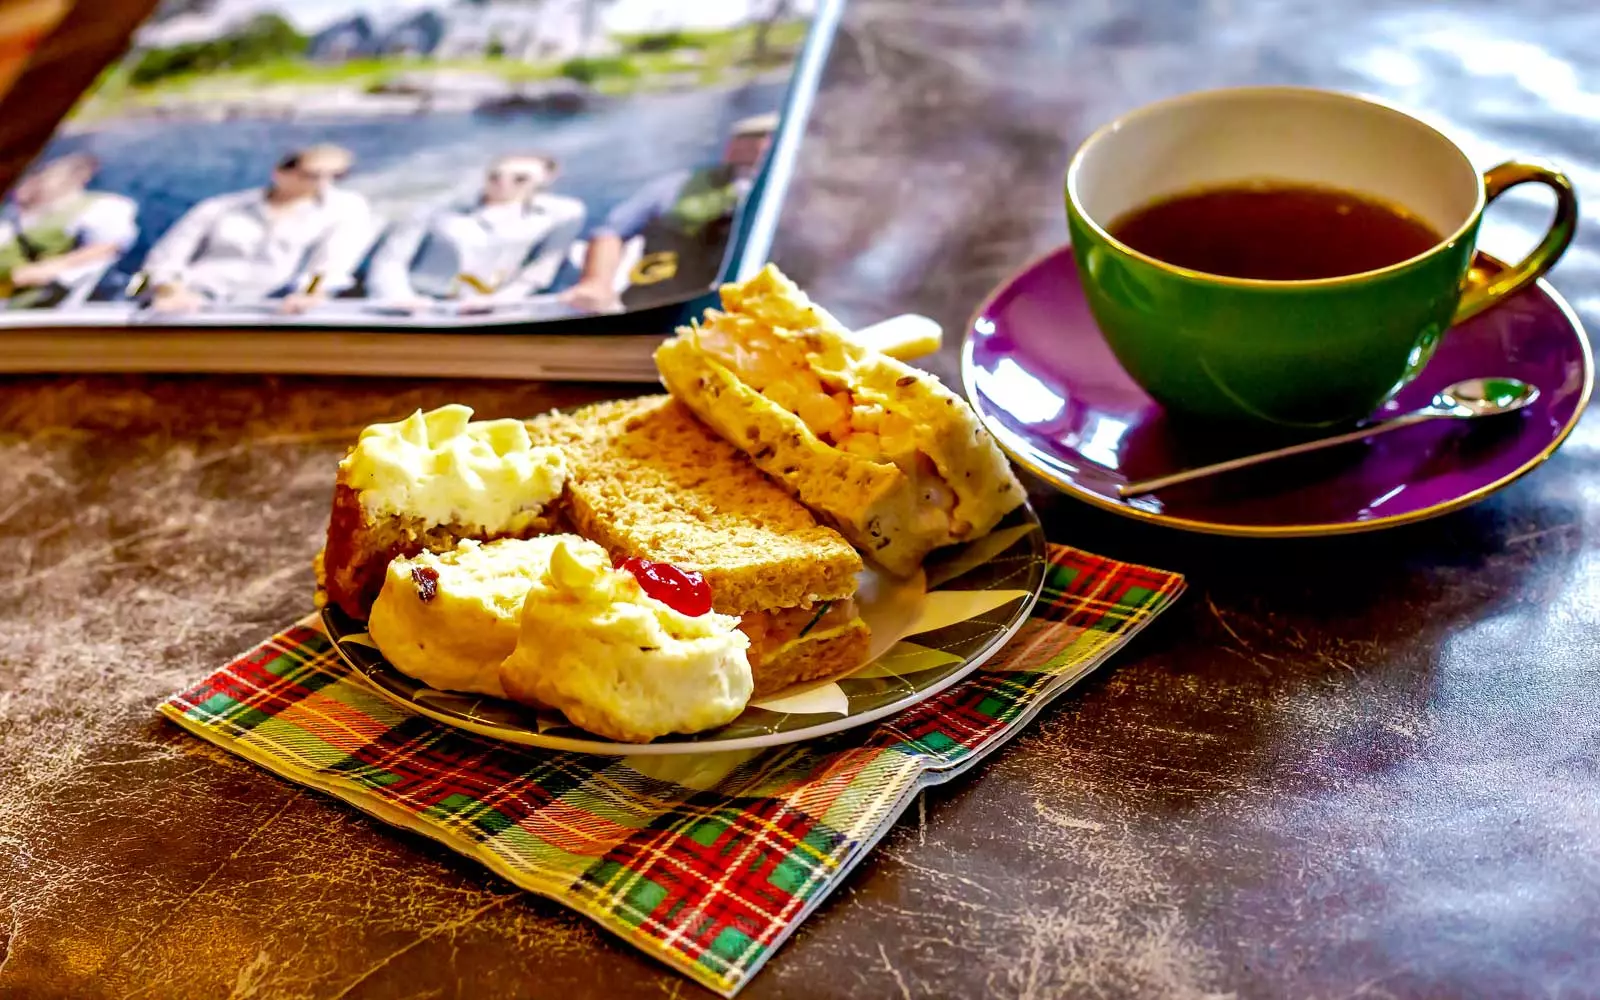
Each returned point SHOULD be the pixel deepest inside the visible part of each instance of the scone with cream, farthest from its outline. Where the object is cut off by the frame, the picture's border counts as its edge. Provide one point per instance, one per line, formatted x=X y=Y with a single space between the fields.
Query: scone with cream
x=885 y=452
x=425 y=483
x=449 y=618
x=617 y=661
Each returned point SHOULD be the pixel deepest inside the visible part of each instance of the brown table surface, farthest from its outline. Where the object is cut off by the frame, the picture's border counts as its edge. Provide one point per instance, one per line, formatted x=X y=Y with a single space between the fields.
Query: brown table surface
x=1348 y=768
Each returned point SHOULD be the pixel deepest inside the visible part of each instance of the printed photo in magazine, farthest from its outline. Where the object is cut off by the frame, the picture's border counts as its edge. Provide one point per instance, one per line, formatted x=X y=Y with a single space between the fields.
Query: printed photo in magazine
x=376 y=163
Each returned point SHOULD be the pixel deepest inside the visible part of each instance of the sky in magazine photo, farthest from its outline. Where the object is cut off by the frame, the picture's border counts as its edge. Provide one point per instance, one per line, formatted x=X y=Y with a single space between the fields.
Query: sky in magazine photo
x=334 y=162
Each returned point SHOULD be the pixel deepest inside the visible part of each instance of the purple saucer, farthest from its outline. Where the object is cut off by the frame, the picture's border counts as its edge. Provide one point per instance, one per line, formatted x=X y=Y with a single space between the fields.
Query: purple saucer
x=1046 y=385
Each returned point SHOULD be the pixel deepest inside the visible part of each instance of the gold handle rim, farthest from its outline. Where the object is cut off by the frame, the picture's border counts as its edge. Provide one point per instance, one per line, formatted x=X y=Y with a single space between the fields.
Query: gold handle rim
x=1497 y=181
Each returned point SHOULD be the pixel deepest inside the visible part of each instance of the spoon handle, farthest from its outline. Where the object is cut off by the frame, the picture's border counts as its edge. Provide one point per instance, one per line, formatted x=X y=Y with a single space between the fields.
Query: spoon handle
x=1361 y=434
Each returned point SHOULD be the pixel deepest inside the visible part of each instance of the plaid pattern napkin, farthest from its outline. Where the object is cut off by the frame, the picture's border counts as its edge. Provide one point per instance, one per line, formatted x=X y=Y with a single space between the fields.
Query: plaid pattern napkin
x=708 y=862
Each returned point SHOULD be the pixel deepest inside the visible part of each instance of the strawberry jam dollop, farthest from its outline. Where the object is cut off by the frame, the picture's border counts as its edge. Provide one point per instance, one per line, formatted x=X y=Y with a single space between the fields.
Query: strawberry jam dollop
x=683 y=590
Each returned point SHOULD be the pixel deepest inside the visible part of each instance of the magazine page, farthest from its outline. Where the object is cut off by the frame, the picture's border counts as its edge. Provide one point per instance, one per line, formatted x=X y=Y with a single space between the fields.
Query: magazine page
x=406 y=163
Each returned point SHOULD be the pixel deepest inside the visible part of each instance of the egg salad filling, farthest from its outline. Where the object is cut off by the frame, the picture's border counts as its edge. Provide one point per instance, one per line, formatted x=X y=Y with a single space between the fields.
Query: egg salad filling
x=446 y=468
x=783 y=370
x=618 y=662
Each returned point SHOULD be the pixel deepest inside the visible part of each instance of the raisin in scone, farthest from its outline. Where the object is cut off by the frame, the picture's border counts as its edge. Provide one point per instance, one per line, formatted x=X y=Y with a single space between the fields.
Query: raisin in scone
x=449 y=618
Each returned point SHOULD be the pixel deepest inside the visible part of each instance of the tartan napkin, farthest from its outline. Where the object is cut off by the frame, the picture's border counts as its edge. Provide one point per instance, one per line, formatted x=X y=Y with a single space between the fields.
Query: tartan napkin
x=708 y=862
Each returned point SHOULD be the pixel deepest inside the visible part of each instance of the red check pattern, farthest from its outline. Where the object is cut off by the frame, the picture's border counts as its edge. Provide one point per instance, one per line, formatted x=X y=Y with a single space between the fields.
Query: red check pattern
x=707 y=863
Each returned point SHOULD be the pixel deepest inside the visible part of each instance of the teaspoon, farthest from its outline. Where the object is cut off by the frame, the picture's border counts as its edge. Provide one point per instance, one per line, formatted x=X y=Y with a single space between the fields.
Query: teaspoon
x=1466 y=400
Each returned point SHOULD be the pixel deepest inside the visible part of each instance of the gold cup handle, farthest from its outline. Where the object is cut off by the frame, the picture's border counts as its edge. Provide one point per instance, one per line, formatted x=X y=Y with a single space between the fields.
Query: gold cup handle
x=1483 y=291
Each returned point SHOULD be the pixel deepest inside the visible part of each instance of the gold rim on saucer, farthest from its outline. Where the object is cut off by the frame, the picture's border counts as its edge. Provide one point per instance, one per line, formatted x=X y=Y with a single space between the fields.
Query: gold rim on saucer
x=1067 y=486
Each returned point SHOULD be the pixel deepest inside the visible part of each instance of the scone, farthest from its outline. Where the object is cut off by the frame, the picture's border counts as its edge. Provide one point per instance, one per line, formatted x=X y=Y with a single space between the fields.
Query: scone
x=424 y=484
x=885 y=452
x=449 y=618
x=648 y=481
x=619 y=662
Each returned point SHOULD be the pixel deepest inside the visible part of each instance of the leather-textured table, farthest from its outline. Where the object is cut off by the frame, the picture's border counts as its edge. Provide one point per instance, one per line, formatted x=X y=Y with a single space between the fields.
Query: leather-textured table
x=1352 y=768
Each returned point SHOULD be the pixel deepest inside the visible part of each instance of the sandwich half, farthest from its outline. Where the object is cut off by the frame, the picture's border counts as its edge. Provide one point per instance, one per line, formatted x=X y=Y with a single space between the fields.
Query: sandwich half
x=883 y=451
x=648 y=481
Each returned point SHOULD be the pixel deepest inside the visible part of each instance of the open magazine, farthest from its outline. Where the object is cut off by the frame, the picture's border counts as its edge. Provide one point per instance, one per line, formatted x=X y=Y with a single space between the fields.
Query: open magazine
x=530 y=167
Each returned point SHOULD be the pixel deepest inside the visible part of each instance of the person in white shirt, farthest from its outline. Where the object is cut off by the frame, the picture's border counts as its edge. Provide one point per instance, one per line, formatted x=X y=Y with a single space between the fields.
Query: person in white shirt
x=55 y=234
x=503 y=244
x=300 y=238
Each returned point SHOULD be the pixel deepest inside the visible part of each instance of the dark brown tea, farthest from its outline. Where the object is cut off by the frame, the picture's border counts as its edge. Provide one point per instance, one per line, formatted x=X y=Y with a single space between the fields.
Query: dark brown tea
x=1275 y=231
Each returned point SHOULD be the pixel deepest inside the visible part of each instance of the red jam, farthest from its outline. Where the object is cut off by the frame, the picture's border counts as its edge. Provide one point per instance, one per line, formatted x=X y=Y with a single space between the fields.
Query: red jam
x=682 y=590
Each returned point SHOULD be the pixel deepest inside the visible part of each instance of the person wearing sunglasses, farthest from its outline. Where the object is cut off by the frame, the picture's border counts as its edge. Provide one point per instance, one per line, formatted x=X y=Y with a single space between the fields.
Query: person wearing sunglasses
x=685 y=219
x=296 y=241
x=499 y=244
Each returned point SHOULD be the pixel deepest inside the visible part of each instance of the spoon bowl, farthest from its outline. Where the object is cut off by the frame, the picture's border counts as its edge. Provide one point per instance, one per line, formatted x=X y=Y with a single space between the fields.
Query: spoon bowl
x=1485 y=397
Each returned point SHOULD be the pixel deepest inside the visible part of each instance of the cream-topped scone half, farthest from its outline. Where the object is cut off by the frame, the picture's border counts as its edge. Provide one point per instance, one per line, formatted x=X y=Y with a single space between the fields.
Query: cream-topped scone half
x=616 y=661
x=427 y=482
x=449 y=618
x=885 y=452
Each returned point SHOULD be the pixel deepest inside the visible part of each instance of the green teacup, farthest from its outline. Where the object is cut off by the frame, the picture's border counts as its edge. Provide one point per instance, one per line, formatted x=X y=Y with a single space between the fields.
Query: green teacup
x=1298 y=353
